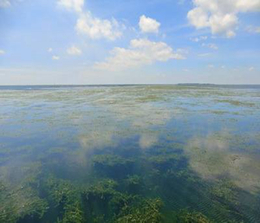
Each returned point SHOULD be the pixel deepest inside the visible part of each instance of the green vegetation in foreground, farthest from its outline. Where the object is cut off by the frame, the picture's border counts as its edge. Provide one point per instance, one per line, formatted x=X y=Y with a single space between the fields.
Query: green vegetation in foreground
x=184 y=216
x=72 y=169
x=122 y=190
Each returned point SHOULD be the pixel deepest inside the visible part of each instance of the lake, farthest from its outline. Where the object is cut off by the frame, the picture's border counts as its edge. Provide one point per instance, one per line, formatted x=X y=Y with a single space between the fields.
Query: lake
x=145 y=153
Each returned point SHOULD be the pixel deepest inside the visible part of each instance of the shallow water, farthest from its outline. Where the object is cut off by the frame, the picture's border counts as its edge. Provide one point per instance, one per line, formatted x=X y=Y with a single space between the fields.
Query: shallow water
x=130 y=154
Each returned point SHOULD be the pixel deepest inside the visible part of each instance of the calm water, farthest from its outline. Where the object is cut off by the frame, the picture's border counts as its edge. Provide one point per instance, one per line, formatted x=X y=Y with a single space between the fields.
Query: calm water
x=130 y=154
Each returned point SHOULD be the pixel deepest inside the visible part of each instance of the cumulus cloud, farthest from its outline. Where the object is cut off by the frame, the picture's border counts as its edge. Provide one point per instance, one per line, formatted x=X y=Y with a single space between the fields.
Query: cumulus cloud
x=74 y=51
x=140 y=52
x=210 y=45
x=5 y=3
x=50 y=50
x=2 y=52
x=221 y=16
x=204 y=54
x=91 y=26
x=97 y=28
x=76 y=5
x=55 y=57
x=198 y=39
x=253 y=29
x=148 y=25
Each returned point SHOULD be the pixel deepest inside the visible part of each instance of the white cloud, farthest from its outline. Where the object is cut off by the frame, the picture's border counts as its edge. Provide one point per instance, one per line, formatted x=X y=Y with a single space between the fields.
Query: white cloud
x=253 y=29
x=76 y=5
x=182 y=51
x=2 y=52
x=96 y=28
x=198 y=39
x=221 y=16
x=140 y=52
x=251 y=69
x=91 y=26
x=210 y=45
x=204 y=54
x=74 y=51
x=55 y=57
x=50 y=50
x=148 y=25
x=5 y=3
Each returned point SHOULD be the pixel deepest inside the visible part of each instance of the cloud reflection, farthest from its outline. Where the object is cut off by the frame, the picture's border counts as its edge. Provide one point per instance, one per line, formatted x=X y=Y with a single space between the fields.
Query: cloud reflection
x=214 y=157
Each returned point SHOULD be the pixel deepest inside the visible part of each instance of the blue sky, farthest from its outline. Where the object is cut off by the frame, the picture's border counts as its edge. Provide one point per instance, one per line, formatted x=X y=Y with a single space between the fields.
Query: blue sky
x=129 y=42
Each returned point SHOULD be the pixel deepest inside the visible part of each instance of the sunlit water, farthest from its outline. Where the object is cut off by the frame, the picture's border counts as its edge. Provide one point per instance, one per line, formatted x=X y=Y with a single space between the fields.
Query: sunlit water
x=130 y=154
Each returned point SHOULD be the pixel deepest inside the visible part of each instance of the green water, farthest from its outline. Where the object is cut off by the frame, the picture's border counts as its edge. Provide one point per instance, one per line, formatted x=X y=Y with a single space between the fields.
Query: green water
x=124 y=154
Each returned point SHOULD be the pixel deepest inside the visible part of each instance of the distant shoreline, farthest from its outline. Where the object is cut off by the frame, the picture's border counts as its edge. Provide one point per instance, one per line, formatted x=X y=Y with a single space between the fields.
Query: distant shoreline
x=184 y=86
x=115 y=85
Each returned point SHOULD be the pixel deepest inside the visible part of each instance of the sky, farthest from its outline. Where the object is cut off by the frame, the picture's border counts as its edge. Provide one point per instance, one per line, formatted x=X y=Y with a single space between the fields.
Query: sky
x=129 y=42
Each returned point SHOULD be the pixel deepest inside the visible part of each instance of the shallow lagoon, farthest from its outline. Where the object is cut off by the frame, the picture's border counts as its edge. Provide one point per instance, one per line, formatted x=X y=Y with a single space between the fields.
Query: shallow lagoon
x=130 y=154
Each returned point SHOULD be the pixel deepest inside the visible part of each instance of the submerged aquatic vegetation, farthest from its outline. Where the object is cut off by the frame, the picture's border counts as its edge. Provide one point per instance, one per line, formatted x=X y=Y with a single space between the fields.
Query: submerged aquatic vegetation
x=226 y=191
x=145 y=211
x=20 y=198
x=73 y=214
x=166 y=161
x=217 y=155
x=112 y=165
x=20 y=204
x=184 y=216
x=103 y=203
x=237 y=103
x=130 y=154
x=134 y=184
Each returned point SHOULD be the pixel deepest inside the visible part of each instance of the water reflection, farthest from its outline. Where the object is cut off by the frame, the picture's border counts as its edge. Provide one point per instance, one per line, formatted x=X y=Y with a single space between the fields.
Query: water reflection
x=146 y=153
x=147 y=140
x=217 y=156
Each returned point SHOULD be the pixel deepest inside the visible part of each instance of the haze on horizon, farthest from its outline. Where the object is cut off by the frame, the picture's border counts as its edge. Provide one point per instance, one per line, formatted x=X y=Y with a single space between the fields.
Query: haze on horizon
x=129 y=42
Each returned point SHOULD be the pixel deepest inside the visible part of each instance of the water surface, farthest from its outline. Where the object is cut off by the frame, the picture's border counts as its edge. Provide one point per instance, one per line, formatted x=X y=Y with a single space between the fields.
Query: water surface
x=130 y=154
